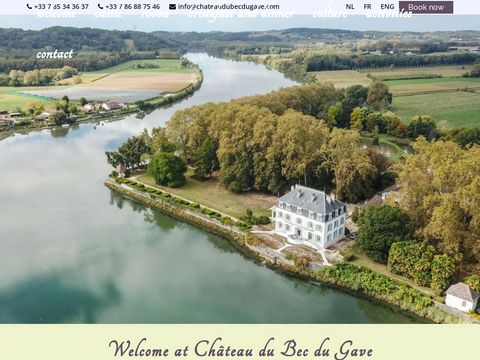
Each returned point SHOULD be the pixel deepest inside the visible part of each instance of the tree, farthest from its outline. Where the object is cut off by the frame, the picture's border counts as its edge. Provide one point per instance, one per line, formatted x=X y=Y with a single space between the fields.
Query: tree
x=59 y=117
x=379 y=228
x=474 y=282
x=83 y=101
x=440 y=192
x=379 y=95
x=167 y=169
x=350 y=165
x=423 y=125
x=412 y=259
x=443 y=270
x=206 y=160
x=66 y=99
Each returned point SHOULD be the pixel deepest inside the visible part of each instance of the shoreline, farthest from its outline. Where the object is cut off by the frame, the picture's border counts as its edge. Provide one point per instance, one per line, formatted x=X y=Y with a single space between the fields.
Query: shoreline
x=429 y=312
x=116 y=115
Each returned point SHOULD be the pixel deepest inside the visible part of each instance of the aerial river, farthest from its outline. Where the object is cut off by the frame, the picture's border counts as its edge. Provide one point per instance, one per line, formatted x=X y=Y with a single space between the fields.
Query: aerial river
x=72 y=251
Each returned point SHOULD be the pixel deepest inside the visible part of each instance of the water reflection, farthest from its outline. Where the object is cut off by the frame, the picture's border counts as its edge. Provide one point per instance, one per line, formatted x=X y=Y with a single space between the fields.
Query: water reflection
x=50 y=298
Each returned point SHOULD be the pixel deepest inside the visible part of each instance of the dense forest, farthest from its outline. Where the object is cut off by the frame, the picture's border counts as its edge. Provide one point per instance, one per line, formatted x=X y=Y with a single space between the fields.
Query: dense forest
x=82 y=38
x=94 y=48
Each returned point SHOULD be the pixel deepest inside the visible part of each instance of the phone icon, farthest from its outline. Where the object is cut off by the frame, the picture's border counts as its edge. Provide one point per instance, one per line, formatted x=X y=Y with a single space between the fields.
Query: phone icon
x=28 y=6
x=100 y=6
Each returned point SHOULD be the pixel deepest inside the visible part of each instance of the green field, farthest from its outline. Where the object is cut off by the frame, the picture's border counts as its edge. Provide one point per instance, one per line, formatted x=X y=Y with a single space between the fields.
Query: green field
x=451 y=108
x=212 y=194
x=416 y=72
x=422 y=86
x=11 y=100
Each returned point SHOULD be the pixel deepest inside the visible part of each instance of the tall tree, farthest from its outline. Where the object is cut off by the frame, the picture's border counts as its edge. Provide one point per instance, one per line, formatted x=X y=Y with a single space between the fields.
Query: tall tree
x=349 y=163
x=167 y=169
x=378 y=228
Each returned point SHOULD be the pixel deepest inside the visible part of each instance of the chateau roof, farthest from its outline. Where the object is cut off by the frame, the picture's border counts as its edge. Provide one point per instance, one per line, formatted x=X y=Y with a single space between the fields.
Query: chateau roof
x=463 y=291
x=312 y=200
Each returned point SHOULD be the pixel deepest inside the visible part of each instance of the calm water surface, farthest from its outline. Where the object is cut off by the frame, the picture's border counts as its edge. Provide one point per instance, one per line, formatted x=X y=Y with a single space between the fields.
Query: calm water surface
x=71 y=251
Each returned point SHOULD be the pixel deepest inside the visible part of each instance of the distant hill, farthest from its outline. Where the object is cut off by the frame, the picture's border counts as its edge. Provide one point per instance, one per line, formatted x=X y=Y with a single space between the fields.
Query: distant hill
x=83 y=39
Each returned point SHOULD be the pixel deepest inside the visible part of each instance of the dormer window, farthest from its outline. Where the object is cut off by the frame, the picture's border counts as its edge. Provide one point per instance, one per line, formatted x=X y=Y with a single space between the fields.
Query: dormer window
x=299 y=210
x=288 y=207
x=319 y=217
x=311 y=214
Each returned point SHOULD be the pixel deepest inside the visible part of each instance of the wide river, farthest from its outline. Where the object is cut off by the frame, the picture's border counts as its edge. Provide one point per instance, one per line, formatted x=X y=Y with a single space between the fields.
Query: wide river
x=71 y=251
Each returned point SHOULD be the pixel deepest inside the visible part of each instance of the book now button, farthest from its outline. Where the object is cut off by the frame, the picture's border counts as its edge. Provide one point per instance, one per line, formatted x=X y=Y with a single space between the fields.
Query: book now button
x=426 y=7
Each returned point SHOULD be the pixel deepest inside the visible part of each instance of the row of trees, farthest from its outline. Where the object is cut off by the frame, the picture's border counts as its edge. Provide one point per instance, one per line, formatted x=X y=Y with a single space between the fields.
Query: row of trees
x=42 y=77
x=268 y=142
x=338 y=62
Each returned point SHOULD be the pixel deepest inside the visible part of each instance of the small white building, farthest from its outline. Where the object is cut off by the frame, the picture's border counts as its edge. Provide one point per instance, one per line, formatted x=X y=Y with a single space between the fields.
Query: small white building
x=309 y=216
x=462 y=297
x=113 y=105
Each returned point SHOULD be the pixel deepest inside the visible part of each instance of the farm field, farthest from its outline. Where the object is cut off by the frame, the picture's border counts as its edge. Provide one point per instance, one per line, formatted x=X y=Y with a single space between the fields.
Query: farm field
x=451 y=108
x=421 y=86
x=415 y=72
x=10 y=99
x=123 y=81
x=342 y=78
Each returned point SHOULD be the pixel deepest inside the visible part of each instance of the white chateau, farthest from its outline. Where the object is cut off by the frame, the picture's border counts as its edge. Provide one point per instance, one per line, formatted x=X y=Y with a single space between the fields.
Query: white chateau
x=309 y=216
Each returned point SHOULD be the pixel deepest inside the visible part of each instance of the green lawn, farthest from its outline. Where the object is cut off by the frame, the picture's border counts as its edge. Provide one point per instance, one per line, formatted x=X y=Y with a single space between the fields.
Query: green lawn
x=212 y=194
x=165 y=65
x=452 y=108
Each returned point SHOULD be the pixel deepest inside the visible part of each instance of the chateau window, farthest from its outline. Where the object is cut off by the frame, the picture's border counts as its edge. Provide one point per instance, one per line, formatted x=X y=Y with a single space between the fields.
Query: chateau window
x=329 y=238
x=279 y=225
x=287 y=216
x=310 y=236
x=335 y=234
x=342 y=220
x=318 y=227
x=280 y=214
x=299 y=220
x=329 y=227
x=341 y=231
x=335 y=224
x=318 y=238
x=310 y=225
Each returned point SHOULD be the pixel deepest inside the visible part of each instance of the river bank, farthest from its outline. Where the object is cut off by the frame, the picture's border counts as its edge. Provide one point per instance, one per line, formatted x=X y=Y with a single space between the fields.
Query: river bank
x=114 y=115
x=356 y=280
